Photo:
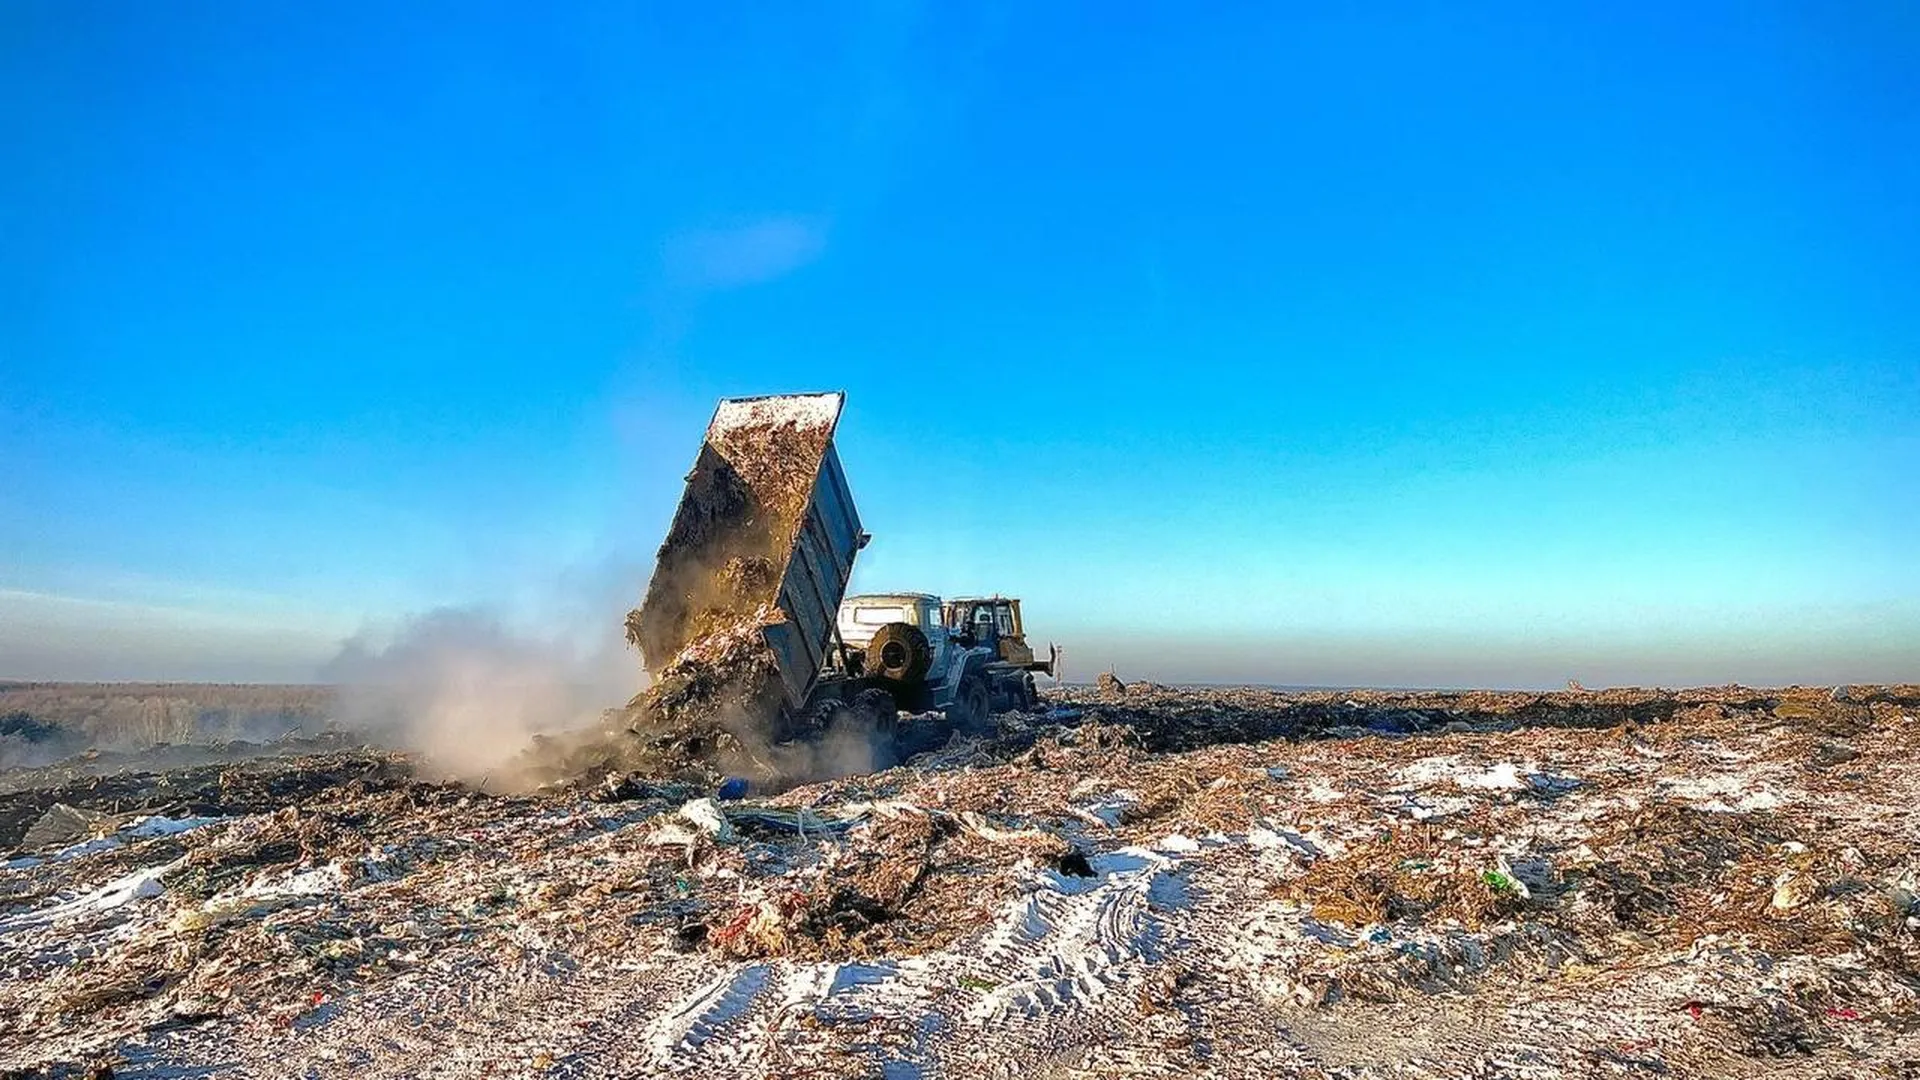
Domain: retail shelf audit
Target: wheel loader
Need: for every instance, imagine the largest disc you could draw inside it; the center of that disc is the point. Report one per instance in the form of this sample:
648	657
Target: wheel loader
752	579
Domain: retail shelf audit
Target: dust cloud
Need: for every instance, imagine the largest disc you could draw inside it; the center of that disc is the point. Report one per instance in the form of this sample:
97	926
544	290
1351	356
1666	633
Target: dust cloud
468	692
844	742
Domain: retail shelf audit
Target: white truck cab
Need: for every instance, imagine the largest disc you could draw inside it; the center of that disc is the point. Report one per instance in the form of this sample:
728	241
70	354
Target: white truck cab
862	616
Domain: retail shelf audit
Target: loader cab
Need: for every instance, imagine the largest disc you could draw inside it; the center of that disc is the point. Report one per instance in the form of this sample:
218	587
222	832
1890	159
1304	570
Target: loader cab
993	621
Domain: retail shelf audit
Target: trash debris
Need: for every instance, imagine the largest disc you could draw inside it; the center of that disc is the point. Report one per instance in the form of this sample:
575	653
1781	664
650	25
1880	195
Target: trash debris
1584	882
62	825
796	820
709	819
1790	890
139	885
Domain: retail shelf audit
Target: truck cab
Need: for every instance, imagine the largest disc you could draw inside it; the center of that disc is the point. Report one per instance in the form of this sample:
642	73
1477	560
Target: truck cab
862	618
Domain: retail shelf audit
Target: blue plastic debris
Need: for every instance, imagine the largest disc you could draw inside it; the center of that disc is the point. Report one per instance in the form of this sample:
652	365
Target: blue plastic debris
1063	713
1393	723
733	787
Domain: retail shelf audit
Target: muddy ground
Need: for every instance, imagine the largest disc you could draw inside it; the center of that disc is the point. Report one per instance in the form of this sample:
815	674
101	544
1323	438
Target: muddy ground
1138	881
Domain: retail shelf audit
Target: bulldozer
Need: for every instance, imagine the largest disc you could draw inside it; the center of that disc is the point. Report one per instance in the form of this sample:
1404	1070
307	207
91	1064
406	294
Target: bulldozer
748	599
995	620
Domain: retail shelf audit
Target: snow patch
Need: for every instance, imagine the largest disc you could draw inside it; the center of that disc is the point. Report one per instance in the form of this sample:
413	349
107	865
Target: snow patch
1722	793
1501	776
139	885
147	828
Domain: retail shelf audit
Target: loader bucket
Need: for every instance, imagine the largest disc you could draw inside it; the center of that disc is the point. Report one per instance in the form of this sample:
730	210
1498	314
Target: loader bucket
763	540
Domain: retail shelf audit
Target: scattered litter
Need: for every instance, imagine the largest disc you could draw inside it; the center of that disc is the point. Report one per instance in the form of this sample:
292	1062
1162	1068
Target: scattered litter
797	820
1586	883
1550	785
1727	793
1502	777
139	885
139	828
708	818
1108	811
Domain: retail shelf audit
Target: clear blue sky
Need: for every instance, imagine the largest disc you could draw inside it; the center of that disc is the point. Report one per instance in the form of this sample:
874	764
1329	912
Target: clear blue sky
1248	342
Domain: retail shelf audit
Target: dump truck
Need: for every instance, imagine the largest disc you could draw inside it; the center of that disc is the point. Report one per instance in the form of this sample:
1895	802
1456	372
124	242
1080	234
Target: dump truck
747	611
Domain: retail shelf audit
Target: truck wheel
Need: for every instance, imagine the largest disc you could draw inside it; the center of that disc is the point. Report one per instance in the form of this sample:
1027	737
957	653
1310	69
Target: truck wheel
899	651
880	705
881	720
818	719
969	710
871	723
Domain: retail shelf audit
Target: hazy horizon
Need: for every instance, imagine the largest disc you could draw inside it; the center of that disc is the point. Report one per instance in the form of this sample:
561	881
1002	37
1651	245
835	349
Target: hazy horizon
1198	659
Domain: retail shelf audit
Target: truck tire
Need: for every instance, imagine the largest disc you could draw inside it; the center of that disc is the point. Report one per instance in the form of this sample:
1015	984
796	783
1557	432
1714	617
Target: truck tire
816	720
880	705
899	651
969	712
880	719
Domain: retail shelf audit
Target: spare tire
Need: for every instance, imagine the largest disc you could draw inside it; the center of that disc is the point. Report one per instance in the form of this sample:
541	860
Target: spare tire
899	651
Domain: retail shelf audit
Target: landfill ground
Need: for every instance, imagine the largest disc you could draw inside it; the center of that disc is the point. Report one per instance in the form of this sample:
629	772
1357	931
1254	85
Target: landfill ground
1140	882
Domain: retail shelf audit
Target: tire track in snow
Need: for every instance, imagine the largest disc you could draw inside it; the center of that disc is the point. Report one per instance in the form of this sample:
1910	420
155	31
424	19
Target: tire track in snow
1053	960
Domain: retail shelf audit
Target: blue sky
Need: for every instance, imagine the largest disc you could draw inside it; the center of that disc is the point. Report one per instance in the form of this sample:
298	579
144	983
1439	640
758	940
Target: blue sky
1262	342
